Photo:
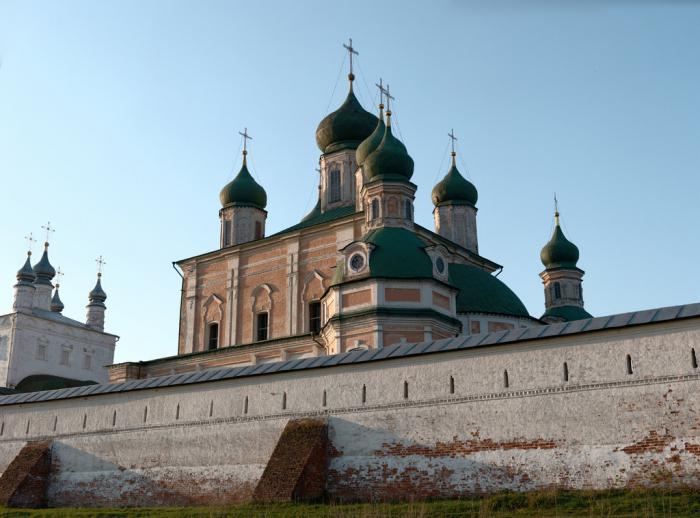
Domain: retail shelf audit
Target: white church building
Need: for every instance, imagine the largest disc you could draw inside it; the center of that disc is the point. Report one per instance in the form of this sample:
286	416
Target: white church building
40	348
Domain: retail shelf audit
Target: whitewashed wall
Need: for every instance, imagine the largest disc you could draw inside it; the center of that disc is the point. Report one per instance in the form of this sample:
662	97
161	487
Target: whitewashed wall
602	428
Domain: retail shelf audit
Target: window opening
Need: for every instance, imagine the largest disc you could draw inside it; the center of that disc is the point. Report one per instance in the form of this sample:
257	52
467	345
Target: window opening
263	322
315	317
213	340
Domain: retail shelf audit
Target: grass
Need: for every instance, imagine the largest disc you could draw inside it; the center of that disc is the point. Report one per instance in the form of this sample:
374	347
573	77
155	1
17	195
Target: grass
542	504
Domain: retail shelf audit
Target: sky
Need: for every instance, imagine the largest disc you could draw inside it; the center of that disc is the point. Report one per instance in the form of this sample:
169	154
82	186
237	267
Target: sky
119	124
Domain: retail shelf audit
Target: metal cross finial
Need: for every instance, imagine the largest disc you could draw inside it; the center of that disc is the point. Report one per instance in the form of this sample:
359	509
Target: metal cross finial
351	50
381	91
100	263
59	274
556	210
48	230
451	134
30	242
246	138
385	92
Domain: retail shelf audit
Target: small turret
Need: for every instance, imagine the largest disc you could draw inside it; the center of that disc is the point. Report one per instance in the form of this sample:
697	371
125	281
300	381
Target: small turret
44	273
96	307
24	289
562	278
56	304
388	194
243	203
455	199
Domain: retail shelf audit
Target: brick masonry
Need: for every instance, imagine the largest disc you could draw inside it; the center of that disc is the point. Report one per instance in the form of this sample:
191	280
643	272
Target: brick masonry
297	468
429	426
25	480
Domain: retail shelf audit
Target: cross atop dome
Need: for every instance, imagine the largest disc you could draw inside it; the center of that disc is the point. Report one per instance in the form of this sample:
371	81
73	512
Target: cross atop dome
351	50
30	242
246	138
48	230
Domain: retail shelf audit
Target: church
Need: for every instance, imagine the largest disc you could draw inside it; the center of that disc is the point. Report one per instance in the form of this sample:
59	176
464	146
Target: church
357	272
40	347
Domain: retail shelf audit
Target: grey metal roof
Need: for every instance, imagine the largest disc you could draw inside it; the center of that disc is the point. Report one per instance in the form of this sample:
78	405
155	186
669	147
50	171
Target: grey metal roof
371	355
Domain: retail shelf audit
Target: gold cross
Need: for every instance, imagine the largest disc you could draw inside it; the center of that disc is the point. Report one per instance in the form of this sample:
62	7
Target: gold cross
59	274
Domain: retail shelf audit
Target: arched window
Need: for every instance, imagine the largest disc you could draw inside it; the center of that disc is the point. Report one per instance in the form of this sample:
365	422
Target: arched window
506	382
566	372
693	358
213	339
375	208
408	210
334	186
629	364
557	290
452	385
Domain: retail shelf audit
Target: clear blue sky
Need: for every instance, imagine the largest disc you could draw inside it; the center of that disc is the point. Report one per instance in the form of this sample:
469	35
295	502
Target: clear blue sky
119	123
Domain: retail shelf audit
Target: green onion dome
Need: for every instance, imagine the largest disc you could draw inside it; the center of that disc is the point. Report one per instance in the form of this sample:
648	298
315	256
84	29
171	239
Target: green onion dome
243	189
43	270
390	161
97	294
559	252
454	189
25	275
346	127
372	142
56	304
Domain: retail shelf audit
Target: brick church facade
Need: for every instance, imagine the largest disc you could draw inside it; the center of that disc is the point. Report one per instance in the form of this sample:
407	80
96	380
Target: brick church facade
357	271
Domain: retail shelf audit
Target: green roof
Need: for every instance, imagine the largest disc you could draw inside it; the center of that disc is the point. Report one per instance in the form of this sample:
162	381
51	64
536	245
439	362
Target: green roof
567	313
346	127
455	189
39	382
481	292
372	142
389	160
398	254
559	252
316	217
243	190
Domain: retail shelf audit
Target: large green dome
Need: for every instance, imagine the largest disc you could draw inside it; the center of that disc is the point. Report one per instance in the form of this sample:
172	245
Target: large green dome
243	190
390	161
372	142
559	252
346	127
454	188
481	292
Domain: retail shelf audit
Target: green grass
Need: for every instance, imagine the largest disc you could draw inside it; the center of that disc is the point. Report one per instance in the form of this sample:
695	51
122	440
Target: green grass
544	504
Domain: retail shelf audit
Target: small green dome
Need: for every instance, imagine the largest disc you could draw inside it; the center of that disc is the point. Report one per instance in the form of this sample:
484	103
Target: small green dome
43	270
390	160
243	190
346	127
567	313
559	252
454	188
372	142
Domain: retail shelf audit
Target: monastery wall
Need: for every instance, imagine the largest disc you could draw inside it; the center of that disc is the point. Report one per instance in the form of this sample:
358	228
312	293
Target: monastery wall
562	411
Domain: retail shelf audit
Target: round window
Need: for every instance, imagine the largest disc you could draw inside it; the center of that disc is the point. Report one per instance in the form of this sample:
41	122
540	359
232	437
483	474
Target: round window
357	262
440	265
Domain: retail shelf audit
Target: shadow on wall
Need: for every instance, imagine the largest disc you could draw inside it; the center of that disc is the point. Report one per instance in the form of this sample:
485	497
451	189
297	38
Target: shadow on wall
81	479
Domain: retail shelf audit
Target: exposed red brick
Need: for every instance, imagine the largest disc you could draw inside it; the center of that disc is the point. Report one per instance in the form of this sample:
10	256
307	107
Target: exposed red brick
652	443
462	447
298	465
24	482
